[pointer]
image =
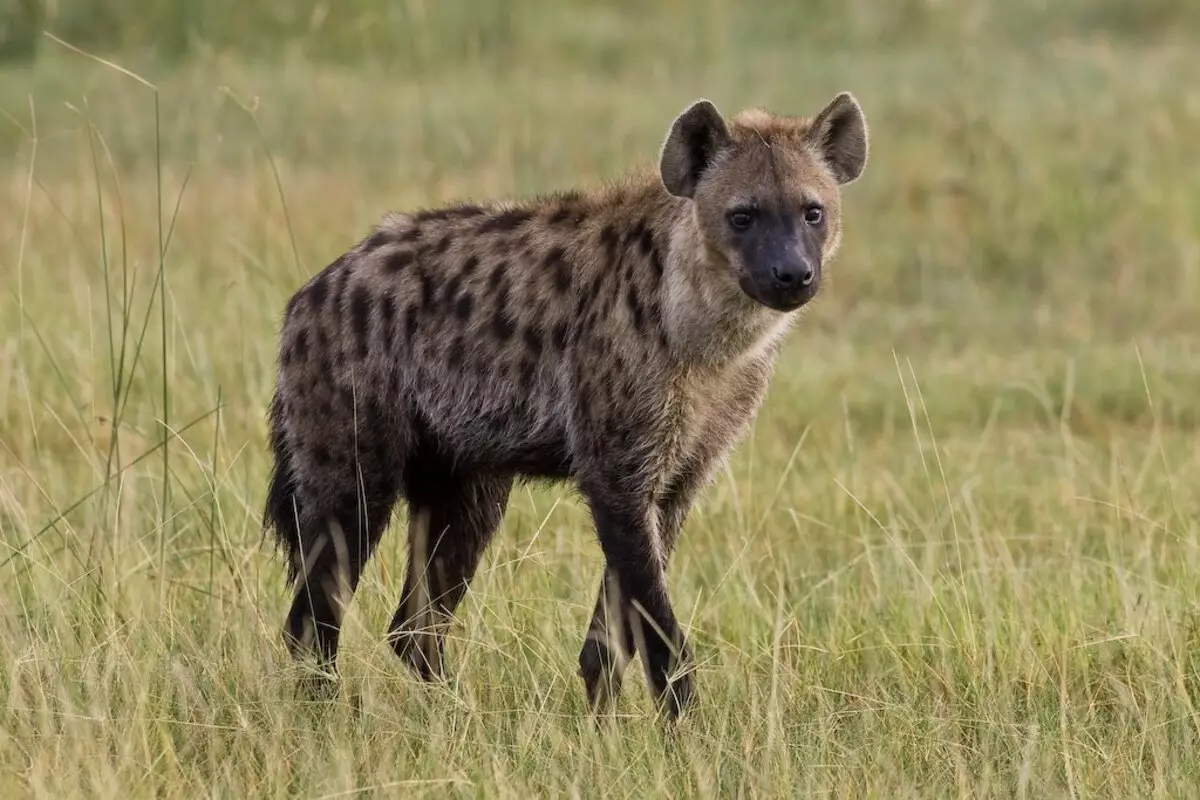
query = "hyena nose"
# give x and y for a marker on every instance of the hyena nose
(789, 274)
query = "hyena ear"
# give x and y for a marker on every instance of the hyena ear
(840, 134)
(695, 138)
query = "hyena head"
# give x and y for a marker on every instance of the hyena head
(765, 192)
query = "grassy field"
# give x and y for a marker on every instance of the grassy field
(958, 554)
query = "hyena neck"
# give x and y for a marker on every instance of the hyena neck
(710, 321)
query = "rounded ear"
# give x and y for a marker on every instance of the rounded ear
(695, 138)
(840, 134)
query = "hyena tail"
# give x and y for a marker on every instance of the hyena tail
(282, 512)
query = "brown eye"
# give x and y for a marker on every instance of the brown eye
(813, 215)
(740, 219)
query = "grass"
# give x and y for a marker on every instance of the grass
(956, 556)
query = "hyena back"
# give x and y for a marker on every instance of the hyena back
(621, 339)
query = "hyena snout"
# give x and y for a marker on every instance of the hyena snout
(794, 274)
(784, 280)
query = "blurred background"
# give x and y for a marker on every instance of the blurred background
(1032, 159)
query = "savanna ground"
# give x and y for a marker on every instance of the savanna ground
(958, 554)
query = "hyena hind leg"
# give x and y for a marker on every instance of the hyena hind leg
(338, 514)
(452, 518)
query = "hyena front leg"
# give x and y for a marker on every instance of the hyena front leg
(610, 643)
(635, 573)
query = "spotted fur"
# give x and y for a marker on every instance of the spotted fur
(621, 339)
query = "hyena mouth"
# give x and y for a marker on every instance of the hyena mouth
(779, 300)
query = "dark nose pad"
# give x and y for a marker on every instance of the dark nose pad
(804, 275)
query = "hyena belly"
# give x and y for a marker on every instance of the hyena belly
(498, 416)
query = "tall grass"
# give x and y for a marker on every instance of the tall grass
(956, 555)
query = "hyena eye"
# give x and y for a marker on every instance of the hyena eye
(814, 214)
(741, 218)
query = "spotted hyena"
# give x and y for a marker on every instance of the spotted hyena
(620, 338)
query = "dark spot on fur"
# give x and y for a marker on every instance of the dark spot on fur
(321, 455)
(443, 244)
(387, 315)
(319, 291)
(463, 306)
(457, 350)
(410, 325)
(594, 289)
(300, 345)
(463, 211)
(556, 260)
(560, 336)
(508, 220)
(360, 318)
(646, 240)
(469, 265)
(528, 371)
(569, 210)
(377, 240)
(427, 289)
(618, 365)
(533, 340)
(339, 290)
(656, 264)
(497, 276)
(610, 302)
(451, 289)
(397, 261)
(609, 241)
(324, 365)
(410, 235)
(502, 326)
